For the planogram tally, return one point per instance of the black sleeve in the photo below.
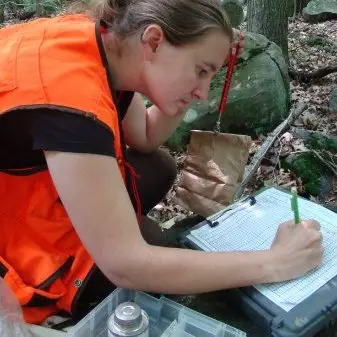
(69, 132)
(25, 133)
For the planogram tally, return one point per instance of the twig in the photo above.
(306, 77)
(300, 151)
(257, 159)
(278, 163)
(332, 157)
(331, 166)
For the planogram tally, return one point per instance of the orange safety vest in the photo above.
(56, 63)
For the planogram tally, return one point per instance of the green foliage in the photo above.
(316, 40)
(218, 80)
(308, 166)
(50, 6)
(310, 169)
(320, 142)
(15, 8)
(322, 43)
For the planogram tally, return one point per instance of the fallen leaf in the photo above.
(287, 137)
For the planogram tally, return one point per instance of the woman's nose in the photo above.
(201, 92)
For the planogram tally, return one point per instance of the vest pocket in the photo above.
(8, 63)
(32, 267)
(57, 275)
(35, 296)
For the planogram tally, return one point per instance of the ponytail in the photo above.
(109, 10)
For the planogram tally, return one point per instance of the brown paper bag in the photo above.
(212, 171)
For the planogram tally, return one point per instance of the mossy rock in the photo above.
(234, 10)
(320, 10)
(312, 171)
(333, 101)
(320, 142)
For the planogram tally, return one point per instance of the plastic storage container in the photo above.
(11, 319)
(167, 318)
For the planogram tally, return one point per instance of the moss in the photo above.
(310, 169)
(219, 79)
(320, 142)
(316, 40)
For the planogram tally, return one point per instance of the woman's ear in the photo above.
(152, 38)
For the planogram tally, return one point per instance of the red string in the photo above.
(231, 64)
(135, 176)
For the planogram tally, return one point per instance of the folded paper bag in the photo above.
(213, 169)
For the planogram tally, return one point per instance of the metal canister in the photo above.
(128, 320)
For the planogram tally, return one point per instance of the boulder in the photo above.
(243, 2)
(316, 175)
(320, 10)
(234, 11)
(258, 99)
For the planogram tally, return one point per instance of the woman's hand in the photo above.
(298, 249)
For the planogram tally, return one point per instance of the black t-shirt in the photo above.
(25, 134)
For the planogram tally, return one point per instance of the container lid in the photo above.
(128, 320)
(128, 315)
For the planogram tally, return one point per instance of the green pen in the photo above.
(294, 205)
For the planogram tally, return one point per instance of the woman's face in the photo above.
(175, 76)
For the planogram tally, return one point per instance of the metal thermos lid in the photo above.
(128, 320)
(128, 315)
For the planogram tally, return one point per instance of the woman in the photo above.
(69, 101)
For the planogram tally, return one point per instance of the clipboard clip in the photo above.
(247, 201)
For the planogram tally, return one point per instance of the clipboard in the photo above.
(313, 314)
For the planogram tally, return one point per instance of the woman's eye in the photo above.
(202, 72)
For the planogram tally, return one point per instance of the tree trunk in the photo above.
(269, 18)
(300, 4)
(2, 11)
(39, 8)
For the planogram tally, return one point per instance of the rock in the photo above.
(316, 177)
(306, 134)
(333, 101)
(319, 141)
(243, 2)
(258, 99)
(320, 10)
(234, 11)
(315, 173)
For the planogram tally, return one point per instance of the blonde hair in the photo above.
(183, 21)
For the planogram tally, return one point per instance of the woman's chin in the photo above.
(169, 110)
(173, 109)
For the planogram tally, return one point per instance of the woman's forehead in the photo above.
(213, 48)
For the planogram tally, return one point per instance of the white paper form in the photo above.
(254, 228)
